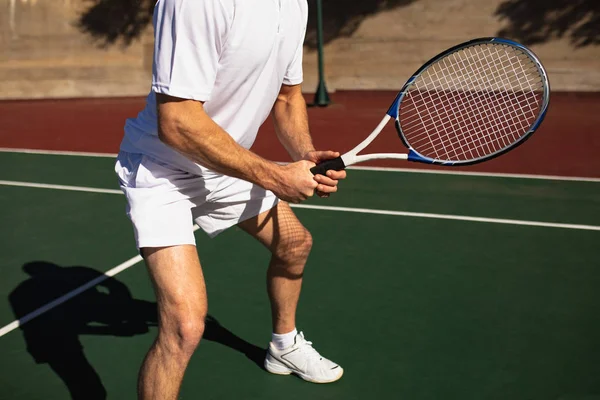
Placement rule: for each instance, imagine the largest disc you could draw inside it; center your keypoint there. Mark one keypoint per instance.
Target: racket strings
(498, 102)
(472, 103)
(446, 119)
(515, 108)
(472, 118)
(446, 97)
(462, 120)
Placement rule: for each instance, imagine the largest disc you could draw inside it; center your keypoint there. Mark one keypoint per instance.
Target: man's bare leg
(182, 306)
(289, 242)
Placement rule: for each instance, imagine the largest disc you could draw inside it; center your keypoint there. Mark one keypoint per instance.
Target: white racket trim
(352, 156)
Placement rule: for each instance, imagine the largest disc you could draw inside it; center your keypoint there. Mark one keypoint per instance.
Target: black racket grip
(336, 164)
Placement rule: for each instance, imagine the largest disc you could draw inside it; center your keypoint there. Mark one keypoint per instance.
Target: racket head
(471, 103)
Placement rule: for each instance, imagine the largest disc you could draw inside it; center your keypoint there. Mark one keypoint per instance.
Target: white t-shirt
(234, 55)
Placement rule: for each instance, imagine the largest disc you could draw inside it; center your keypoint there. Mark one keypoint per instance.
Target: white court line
(134, 260)
(452, 217)
(36, 313)
(374, 169)
(59, 187)
(57, 152)
(482, 174)
(347, 209)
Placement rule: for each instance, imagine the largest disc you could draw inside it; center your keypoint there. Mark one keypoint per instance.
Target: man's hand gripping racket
(471, 103)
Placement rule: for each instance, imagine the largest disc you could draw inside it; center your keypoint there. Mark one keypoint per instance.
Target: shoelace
(306, 348)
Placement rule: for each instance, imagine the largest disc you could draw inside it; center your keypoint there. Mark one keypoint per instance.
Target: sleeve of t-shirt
(189, 35)
(293, 74)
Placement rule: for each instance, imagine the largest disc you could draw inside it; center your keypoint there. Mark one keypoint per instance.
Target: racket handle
(336, 164)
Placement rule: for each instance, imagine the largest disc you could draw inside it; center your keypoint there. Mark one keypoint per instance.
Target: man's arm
(291, 126)
(291, 122)
(185, 126)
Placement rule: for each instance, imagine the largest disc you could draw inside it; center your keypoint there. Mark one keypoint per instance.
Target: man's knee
(189, 333)
(182, 333)
(294, 247)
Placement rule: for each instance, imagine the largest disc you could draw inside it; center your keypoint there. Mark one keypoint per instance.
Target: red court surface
(567, 143)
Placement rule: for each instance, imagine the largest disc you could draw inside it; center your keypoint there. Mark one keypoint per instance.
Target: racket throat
(350, 159)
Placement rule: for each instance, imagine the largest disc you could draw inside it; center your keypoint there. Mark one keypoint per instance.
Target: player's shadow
(53, 338)
(215, 332)
(538, 21)
(108, 308)
(123, 21)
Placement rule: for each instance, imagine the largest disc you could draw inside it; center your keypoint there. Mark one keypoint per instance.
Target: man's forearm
(194, 134)
(291, 123)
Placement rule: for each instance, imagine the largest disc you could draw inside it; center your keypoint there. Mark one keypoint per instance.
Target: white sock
(283, 340)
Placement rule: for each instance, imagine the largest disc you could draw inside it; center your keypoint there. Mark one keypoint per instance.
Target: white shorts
(163, 201)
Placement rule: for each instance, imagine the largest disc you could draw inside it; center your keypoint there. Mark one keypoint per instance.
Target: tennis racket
(471, 103)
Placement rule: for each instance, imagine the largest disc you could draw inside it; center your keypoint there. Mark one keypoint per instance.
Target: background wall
(99, 48)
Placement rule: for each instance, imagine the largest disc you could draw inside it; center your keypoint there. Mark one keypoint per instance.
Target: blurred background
(103, 48)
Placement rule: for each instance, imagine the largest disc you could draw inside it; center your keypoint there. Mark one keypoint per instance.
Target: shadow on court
(53, 337)
(215, 332)
(107, 309)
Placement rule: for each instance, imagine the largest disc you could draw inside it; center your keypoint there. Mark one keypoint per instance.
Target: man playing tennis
(220, 68)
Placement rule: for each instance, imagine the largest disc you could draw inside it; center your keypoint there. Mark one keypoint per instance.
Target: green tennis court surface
(411, 307)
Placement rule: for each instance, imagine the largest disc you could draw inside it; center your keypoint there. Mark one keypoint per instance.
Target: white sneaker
(303, 360)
